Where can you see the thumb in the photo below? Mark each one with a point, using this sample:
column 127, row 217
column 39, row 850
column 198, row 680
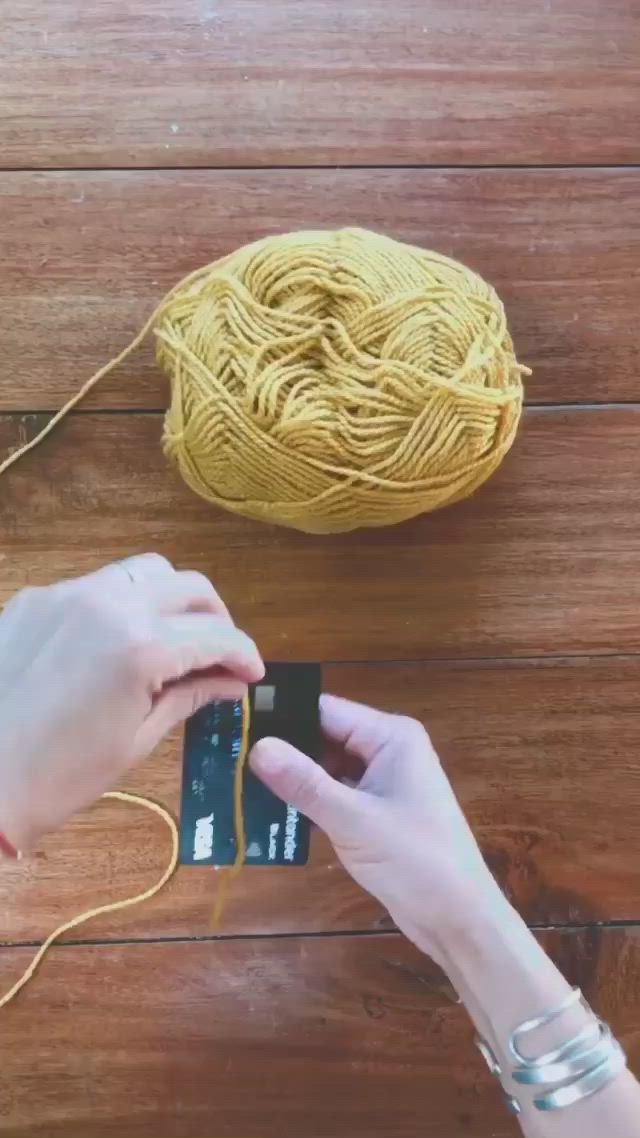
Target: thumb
column 304, row 784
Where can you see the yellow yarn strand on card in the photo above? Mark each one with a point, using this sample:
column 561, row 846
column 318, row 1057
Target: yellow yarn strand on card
column 112, row 906
column 331, row 380
column 238, row 819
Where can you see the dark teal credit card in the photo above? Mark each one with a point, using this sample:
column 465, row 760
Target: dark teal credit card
column 285, row 704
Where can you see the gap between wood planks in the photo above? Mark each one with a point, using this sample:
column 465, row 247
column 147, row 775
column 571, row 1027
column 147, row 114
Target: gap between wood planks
column 320, row 934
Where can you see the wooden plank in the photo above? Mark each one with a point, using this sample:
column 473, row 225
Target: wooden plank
column 541, row 755
column 86, row 257
column 317, row 82
column 542, row 560
column 312, row 1037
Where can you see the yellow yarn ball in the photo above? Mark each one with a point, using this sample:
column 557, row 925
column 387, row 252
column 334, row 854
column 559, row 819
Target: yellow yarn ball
column 331, row 380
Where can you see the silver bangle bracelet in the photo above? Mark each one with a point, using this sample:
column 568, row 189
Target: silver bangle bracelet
column 574, row 997
column 578, row 1057
column 575, row 1070
column 594, row 1081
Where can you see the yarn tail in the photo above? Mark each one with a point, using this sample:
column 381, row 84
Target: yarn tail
column 79, row 396
column 228, row 873
column 94, row 379
column 113, row 906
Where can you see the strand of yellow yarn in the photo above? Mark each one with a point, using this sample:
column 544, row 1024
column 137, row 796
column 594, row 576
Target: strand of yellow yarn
column 238, row 819
column 112, row 906
column 229, row 873
column 91, row 382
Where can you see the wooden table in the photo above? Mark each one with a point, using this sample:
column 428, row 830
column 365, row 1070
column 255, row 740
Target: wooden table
column 138, row 141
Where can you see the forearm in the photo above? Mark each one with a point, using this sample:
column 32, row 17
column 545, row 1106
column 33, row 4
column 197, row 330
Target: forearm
column 504, row 977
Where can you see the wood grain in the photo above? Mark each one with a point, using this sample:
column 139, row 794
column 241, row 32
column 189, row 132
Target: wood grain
column 499, row 623
column 542, row 756
column 318, row 82
column 543, row 560
column 312, row 1037
column 86, row 257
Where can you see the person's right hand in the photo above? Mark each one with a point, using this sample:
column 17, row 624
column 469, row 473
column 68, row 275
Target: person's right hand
column 402, row 835
column 400, row 831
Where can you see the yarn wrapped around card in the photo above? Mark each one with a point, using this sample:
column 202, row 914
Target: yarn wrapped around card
column 331, row 380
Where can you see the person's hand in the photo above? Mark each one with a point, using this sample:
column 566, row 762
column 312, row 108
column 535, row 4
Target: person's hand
column 95, row 671
column 400, row 831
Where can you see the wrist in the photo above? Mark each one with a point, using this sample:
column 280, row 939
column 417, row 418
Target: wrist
column 481, row 925
column 447, row 926
column 501, row 972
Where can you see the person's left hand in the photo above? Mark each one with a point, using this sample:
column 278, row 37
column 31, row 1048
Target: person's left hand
column 95, row 671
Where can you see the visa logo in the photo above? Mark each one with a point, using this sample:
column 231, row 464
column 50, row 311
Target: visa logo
column 203, row 838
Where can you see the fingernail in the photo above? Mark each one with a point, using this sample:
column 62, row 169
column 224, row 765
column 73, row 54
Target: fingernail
column 265, row 759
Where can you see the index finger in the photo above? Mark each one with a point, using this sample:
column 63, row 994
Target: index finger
column 197, row 642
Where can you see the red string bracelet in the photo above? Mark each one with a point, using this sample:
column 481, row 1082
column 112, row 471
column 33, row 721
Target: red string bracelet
column 7, row 849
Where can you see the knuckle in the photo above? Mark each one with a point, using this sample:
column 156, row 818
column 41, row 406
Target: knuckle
column 157, row 561
column 198, row 583
column 195, row 577
column 411, row 731
column 203, row 594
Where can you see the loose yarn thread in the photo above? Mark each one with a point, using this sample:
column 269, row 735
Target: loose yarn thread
column 111, row 906
column 147, row 894
column 331, row 380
